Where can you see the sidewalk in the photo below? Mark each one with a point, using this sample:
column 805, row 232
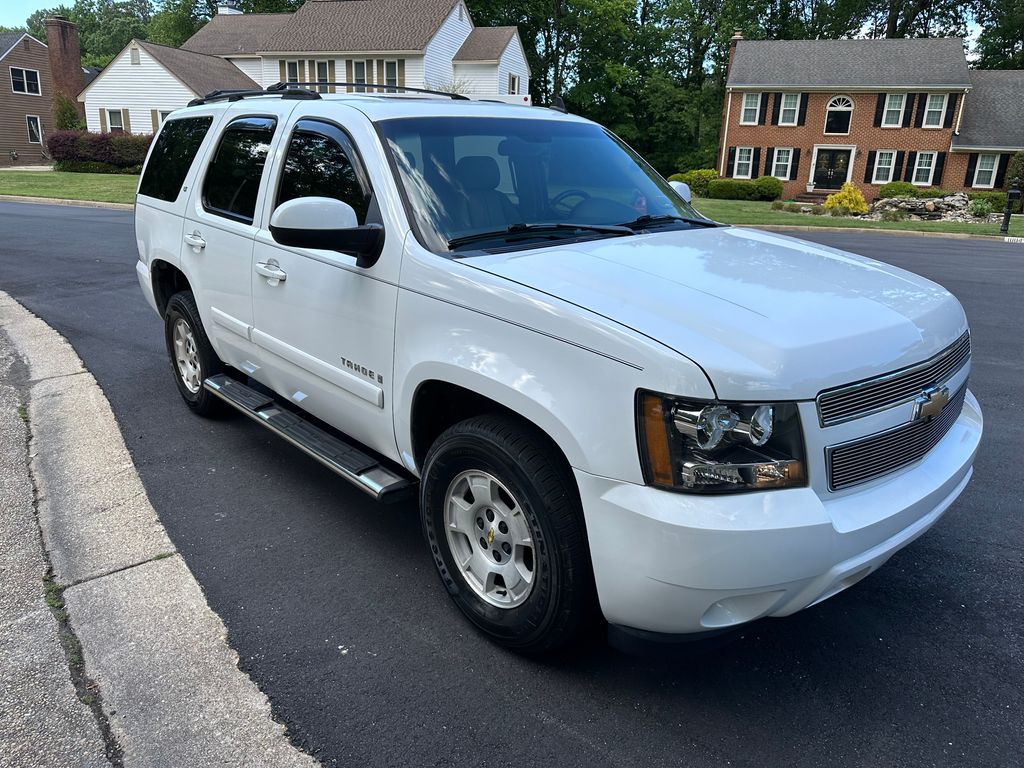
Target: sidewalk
column 109, row 653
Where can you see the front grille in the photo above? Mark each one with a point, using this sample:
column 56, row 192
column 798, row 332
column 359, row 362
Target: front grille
column 852, row 401
column 867, row 458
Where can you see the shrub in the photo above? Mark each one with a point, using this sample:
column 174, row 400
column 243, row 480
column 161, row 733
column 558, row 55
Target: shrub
column 93, row 166
column 778, row 205
column 732, row 189
column 996, row 199
column 1014, row 170
column 65, row 114
column 898, row 189
column 897, row 214
column 836, row 210
column 121, row 151
column 818, row 210
column 794, row 208
column 698, row 180
column 768, row 188
column 980, row 208
column 848, row 197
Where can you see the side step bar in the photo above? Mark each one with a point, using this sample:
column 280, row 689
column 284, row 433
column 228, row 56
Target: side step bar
column 359, row 468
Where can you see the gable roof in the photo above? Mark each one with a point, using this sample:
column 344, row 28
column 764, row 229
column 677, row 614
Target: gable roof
column 993, row 115
column 10, row 39
column 850, row 64
column 199, row 72
column 236, row 33
column 485, row 44
column 360, row 25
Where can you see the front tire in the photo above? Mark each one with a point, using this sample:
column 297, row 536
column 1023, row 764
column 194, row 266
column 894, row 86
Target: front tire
column 502, row 517
column 192, row 357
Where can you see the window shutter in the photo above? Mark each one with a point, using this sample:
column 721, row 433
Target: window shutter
column 776, row 107
column 897, row 168
column 126, row 120
column 348, row 73
column 794, row 164
column 922, row 102
column 763, row 114
column 282, row 71
column 908, row 110
column 732, row 162
column 401, row 72
column 755, row 162
column 803, row 109
column 331, row 76
column 879, row 110
column 911, row 160
column 769, row 160
column 103, row 121
column 940, row 163
column 869, row 169
column 154, row 118
column 972, row 167
column 1004, row 160
column 950, row 110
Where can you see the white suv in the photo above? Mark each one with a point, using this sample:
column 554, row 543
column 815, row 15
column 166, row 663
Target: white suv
column 602, row 398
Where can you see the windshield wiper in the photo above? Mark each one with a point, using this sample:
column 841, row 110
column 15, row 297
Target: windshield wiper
column 648, row 219
column 528, row 229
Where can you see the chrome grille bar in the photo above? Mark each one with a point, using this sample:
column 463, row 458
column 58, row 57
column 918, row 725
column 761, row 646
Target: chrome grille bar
column 852, row 401
column 859, row 461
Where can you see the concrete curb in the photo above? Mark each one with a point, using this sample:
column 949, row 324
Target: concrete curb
column 872, row 231
column 63, row 201
column 170, row 686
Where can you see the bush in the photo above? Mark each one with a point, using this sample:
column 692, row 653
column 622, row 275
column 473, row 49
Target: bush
column 768, row 188
column 980, row 208
column 849, row 198
column 1014, row 170
column 818, row 210
column 895, row 215
column 898, row 189
column 732, row 189
column 794, row 208
column 698, row 180
column 124, row 152
column 778, row 205
column 837, row 210
column 65, row 114
column 996, row 199
column 93, row 166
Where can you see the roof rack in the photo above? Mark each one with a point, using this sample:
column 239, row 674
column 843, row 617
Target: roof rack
column 375, row 86
column 285, row 92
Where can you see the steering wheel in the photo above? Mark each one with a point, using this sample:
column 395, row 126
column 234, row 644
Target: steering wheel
column 559, row 206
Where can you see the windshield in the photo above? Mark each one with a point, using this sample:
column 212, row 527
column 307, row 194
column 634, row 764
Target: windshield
column 466, row 177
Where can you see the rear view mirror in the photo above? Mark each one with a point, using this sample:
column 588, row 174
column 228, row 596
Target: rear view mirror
column 682, row 189
column 327, row 224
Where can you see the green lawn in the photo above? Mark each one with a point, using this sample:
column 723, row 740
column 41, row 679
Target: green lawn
column 99, row 187
column 749, row 212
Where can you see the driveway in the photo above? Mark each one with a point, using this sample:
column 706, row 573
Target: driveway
column 335, row 610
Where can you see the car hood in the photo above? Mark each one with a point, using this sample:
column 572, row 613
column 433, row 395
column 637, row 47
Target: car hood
column 765, row 316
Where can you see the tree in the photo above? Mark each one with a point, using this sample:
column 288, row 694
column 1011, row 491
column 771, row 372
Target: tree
column 177, row 21
column 1000, row 44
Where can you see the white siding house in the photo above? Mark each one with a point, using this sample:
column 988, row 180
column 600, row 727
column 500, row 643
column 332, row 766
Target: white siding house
column 438, row 69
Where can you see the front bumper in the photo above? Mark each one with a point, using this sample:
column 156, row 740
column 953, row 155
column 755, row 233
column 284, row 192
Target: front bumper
column 676, row 563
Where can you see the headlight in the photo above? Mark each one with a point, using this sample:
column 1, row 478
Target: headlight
column 701, row 447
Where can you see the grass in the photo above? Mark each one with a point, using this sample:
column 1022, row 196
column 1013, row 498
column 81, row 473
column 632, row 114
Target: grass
column 98, row 187
column 755, row 213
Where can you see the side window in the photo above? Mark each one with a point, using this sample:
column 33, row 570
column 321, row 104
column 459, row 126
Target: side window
column 172, row 156
column 321, row 162
column 233, row 179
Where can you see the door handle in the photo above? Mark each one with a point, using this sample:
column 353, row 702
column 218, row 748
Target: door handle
column 195, row 240
column 272, row 271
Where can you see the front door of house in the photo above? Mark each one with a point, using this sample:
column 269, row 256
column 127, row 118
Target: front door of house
column 831, row 168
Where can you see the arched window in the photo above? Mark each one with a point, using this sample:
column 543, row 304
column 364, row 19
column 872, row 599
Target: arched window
column 838, row 114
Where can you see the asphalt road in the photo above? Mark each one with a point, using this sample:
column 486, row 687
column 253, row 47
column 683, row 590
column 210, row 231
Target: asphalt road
column 335, row 610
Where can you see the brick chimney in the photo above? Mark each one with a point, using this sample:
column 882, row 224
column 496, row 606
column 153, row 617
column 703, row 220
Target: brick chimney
column 736, row 37
column 65, row 59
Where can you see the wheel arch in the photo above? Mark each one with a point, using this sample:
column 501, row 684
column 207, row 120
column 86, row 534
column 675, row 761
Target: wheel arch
column 167, row 280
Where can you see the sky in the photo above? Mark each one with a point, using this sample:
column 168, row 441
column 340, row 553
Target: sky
column 14, row 12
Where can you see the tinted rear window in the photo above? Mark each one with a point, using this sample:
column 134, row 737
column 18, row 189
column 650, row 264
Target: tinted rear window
column 172, row 156
column 233, row 180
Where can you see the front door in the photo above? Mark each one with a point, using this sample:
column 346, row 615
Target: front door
column 831, row 168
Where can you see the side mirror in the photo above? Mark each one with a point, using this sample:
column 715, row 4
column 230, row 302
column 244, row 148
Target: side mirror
column 682, row 189
column 327, row 224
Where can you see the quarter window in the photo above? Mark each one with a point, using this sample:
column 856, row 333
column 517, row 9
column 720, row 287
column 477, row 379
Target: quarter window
column 35, row 129
column 838, row 114
column 25, row 81
column 744, row 162
column 924, row 168
column 173, row 152
column 892, row 117
column 884, row 162
column 985, row 173
column 934, row 110
column 751, row 108
column 783, row 157
column 319, row 165
column 233, row 179
column 790, row 108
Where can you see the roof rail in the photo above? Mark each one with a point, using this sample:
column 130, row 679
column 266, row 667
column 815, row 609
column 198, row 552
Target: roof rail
column 284, row 92
column 375, row 86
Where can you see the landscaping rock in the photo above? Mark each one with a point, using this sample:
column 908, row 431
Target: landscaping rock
column 948, row 208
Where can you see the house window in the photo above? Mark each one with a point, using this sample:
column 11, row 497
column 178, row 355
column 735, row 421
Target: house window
column 164, row 115
column 744, row 162
column 783, row 157
column 985, row 173
column 391, row 74
column 322, row 76
column 924, row 168
column 35, row 129
column 884, row 161
column 291, row 69
column 359, row 75
column 751, row 108
column 892, row 117
column 838, row 114
column 513, row 83
column 934, row 110
column 115, row 120
column 25, row 81
column 790, row 108
column 134, row 54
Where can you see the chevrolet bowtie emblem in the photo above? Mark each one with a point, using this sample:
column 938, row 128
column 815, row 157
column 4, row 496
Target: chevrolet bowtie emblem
column 490, row 536
column 930, row 402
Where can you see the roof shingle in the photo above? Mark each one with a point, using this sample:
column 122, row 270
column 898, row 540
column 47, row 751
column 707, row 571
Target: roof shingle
column 902, row 63
column 199, row 72
column 993, row 111
column 8, row 40
column 485, row 44
column 243, row 33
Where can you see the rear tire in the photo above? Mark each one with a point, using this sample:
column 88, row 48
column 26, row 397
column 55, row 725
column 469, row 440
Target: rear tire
column 497, row 500
column 192, row 357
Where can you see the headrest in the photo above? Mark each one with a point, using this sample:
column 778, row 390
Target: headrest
column 478, row 172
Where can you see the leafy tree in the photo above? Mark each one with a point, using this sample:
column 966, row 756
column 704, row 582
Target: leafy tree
column 1000, row 44
column 65, row 114
column 9, row 30
column 177, row 21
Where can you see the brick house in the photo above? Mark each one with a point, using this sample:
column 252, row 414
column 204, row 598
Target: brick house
column 823, row 112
